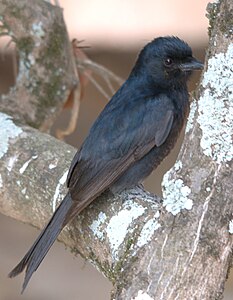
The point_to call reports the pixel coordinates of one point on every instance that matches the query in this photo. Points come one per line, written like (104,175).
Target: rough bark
(178,248)
(46,70)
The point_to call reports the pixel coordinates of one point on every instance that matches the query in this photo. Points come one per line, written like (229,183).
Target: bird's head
(167,61)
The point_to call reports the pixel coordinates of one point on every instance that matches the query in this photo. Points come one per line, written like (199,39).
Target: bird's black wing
(123,133)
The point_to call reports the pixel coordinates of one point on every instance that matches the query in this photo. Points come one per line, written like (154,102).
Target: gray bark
(175,248)
(47,73)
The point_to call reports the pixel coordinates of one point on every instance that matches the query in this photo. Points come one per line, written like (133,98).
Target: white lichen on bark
(8,130)
(11,162)
(142,296)
(58,195)
(26,164)
(1,183)
(96,225)
(231,227)
(148,231)
(175,192)
(193,108)
(215,107)
(119,225)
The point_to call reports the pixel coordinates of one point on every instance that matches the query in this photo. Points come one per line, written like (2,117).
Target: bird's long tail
(45,240)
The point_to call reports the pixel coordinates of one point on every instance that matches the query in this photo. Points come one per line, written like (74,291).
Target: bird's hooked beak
(191,65)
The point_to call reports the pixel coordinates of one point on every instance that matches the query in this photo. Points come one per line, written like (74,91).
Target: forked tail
(45,240)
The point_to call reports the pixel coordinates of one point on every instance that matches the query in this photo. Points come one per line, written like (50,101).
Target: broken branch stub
(46,71)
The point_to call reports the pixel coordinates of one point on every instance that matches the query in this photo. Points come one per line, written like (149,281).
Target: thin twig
(100,70)
(84,66)
(109,84)
(61,133)
(83,63)
(97,85)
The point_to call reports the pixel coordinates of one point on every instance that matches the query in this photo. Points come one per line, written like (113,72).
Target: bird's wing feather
(112,149)
(166,124)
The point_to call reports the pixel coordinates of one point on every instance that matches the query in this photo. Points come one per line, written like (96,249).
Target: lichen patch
(215,107)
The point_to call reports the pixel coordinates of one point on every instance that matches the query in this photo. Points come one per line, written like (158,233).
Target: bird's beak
(191,65)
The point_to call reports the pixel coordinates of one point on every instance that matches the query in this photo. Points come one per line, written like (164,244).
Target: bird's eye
(168,62)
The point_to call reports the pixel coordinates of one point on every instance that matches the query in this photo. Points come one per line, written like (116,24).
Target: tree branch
(33,168)
(47,72)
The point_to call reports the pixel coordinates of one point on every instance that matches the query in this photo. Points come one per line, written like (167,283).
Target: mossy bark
(46,71)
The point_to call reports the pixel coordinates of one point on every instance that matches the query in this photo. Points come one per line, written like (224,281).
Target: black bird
(132,135)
